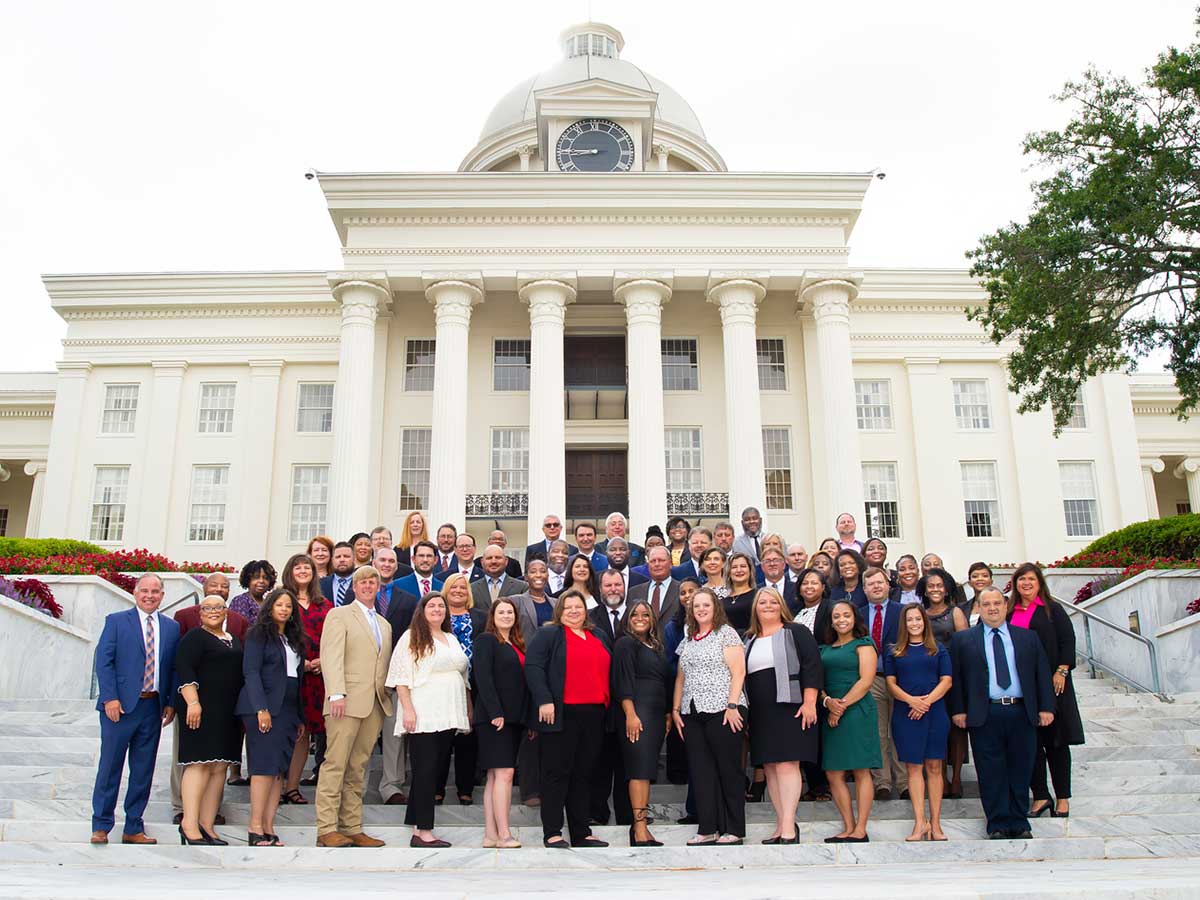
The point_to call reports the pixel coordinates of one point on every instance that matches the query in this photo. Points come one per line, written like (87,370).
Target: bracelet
(193,703)
(825,701)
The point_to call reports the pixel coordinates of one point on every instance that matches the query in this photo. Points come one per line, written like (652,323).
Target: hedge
(39,547)
(1176,537)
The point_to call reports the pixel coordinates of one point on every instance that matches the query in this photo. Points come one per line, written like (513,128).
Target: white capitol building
(592,313)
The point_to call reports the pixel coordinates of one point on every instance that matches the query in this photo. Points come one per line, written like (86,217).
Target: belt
(1009,701)
(145,694)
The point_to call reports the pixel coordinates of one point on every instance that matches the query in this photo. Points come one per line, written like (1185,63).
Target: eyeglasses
(552,525)
(212,609)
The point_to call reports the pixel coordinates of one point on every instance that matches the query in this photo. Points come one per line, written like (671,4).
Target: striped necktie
(148,673)
(343,588)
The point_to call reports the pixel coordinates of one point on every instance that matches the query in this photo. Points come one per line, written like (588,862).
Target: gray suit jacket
(668,605)
(483,598)
(743,543)
(527,614)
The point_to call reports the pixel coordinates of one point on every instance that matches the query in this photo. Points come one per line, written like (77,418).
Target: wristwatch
(731,706)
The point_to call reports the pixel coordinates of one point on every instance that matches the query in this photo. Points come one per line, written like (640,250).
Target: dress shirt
(624,574)
(555,584)
(619,610)
(779,585)
(791,576)
(424,582)
(447,560)
(495,584)
(995,692)
(873,610)
(152,618)
(338,581)
(292,659)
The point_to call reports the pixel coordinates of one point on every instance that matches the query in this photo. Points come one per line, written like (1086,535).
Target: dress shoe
(212,839)
(590,841)
(904,794)
(865,839)
(397,799)
(364,840)
(310,781)
(334,839)
(218,819)
(883,793)
(436,843)
(187,841)
(466,800)
(997,836)
(1041,811)
(140,838)
(1021,835)
(177,819)
(99,837)
(556,845)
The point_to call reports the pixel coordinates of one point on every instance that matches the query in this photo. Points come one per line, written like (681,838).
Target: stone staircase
(1136,782)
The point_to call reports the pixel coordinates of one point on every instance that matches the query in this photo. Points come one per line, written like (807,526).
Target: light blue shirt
(995,692)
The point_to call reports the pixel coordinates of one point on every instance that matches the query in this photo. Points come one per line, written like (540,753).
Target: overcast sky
(173,137)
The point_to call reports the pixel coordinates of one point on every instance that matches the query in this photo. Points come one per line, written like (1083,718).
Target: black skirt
(776,734)
(271,753)
(641,758)
(498,749)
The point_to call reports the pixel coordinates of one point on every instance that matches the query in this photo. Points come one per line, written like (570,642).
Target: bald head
(493,560)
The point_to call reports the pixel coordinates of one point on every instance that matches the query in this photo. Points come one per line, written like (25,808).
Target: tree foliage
(1105,270)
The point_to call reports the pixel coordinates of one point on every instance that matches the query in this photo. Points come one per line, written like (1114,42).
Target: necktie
(877,627)
(616,621)
(375,628)
(494,588)
(656,600)
(343,586)
(381,602)
(1003,676)
(757,552)
(424,586)
(148,673)
(446,561)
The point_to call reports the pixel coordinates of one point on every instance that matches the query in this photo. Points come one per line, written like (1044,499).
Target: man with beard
(618,555)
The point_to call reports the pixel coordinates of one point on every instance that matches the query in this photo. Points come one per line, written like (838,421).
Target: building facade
(591,314)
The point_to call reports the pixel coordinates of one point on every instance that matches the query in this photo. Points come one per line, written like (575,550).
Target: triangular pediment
(594,89)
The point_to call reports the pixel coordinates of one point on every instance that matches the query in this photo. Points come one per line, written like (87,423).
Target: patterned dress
(245,606)
(312,691)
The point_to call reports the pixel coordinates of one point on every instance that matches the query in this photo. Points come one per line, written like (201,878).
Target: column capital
(738,298)
(567,278)
(1189,466)
(169,367)
(547,299)
(453,300)
(829,293)
(362,295)
(35,467)
(1153,464)
(643,299)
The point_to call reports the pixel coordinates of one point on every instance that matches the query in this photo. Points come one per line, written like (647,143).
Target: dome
(593,51)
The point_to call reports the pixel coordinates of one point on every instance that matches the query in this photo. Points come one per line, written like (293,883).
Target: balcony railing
(596,401)
(698,504)
(497,506)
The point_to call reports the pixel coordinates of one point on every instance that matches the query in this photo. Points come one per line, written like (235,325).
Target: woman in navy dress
(918,676)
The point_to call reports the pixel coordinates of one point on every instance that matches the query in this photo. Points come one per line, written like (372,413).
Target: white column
(453,301)
(352,404)
(252,540)
(1189,469)
(1122,441)
(643,299)
(738,299)
(68,422)
(830,295)
(1150,466)
(547,298)
(35,468)
(157,480)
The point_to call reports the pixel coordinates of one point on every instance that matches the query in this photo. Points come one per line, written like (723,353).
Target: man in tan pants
(356,647)
(882,619)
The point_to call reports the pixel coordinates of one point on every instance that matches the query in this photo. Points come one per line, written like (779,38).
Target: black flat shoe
(794,839)
(310,781)
(590,841)
(836,840)
(865,839)
(213,839)
(465,800)
(773,840)
(436,843)
(556,845)
(1055,814)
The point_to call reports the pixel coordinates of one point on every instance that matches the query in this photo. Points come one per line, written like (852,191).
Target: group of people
(762,670)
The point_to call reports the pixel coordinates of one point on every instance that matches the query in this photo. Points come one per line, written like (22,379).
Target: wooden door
(597,360)
(597,483)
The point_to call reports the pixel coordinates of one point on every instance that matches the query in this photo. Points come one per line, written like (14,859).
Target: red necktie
(656,600)
(877,628)
(424,586)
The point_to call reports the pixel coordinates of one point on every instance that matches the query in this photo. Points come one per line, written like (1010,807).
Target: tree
(1105,270)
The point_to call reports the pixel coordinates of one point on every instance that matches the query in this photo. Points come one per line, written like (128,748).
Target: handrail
(194,596)
(1093,663)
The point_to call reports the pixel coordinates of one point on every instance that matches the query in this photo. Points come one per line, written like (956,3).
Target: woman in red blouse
(567,670)
(300,577)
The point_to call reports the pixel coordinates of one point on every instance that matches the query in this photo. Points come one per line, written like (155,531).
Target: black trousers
(1058,759)
(429,754)
(718,780)
(568,761)
(529,766)
(466,755)
(609,781)
(1004,747)
(677,766)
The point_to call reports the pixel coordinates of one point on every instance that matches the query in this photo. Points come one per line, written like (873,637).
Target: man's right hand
(113,710)
(337,708)
(960,720)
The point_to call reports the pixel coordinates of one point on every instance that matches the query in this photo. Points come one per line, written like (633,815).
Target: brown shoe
(364,840)
(397,799)
(99,837)
(139,838)
(334,839)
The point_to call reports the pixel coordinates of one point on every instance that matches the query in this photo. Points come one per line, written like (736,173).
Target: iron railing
(698,504)
(1089,656)
(497,506)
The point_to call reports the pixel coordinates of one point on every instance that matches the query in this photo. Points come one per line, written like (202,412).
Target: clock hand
(593,151)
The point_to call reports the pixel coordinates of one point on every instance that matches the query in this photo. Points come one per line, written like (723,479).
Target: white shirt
(555,583)
(619,610)
(760,656)
(777,585)
(293,659)
(152,618)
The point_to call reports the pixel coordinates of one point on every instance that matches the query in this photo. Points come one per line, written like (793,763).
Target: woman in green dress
(849,735)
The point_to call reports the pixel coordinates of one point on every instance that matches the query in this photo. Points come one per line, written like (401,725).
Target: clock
(594,145)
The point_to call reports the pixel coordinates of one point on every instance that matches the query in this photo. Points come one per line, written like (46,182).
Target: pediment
(595,97)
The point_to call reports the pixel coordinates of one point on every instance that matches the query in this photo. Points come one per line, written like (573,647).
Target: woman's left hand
(807,714)
(733,718)
(1060,683)
(498,723)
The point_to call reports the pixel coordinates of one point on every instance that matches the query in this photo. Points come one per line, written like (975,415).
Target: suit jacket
(483,598)
(1052,624)
(891,620)
(188,617)
(632,578)
(969,689)
(688,569)
(822,622)
(743,543)
(668,605)
(264,667)
(546,673)
(499,680)
(474,575)
(512,569)
(602,621)
(351,663)
(527,614)
(328,593)
(598,560)
(121,659)
(637,553)
(437,564)
(400,612)
(789,591)
(410,585)
(539,548)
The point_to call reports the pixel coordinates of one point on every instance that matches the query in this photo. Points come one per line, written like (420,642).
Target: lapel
(362,622)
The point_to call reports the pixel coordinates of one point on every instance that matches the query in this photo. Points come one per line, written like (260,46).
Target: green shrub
(1177,536)
(34,548)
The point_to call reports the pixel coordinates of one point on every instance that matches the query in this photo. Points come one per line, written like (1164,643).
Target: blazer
(512,569)
(351,663)
(602,621)
(121,659)
(969,689)
(264,667)
(410,585)
(189,617)
(1052,624)
(668,605)
(401,607)
(891,620)
(508,588)
(327,590)
(474,575)
(789,591)
(598,560)
(688,569)
(822,622)
(539,548)
(527,614)
(637,553)
(797,667)
(499,679)
(546,673)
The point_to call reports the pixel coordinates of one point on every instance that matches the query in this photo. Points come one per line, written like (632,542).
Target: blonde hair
(455,579)
(406,539)
(785,614)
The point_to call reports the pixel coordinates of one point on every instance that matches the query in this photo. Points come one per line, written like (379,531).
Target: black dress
(737,610)
(498,674)
(641,675)
(215,668)
(776,733)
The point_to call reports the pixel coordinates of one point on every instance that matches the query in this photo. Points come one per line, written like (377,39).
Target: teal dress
(854,744)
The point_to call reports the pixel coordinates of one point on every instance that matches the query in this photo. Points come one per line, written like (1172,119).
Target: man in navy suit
(462,560)
(699,539)
(421,580)
(618,556)
(135,669)
(552,531)
(774,575)
(335,587)
(585,536)
(1001,693)
(617,526)
(883,624)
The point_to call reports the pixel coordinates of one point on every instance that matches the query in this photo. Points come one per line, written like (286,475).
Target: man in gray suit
(661,590)
(495,582)
(747,541)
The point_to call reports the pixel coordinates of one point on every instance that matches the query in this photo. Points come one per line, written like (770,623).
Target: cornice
(937,336)
(200,312)
(217,340)
(569,218)
(25,412)
(1145,409)
(915,306)
(594,251)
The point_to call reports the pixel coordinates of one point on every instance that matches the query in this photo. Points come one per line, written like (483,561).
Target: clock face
(594,145)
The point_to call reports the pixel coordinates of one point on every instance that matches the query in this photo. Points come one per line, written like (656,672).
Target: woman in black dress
(269,706)
(208,665)
(782,683)
(498,670)
(641,679)
(739,582)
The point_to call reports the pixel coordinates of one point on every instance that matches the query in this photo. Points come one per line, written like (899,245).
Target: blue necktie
(1003,676)
(341,592)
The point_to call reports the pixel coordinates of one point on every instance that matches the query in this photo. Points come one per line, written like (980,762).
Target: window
(216,408)
(210,493)
(1080,508)
(414,467)
(1078,411)
(510,365)
(1183,508)
(883,500)
(310,503)
(120,408)
(510,460)
(418,365)
(777,467)
(685,472)
(873,405)
(681,371)
(981,499)
(971,407)
(108,503)
(3,521)
(772,372)
(314,408)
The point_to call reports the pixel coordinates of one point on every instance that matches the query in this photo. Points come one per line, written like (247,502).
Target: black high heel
(1038,813)
(1055,814)
(257,840)
(188,842)
(212,839)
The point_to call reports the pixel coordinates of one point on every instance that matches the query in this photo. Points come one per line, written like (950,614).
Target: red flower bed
(112,567)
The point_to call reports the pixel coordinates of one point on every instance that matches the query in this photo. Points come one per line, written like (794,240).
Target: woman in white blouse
(429,672)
